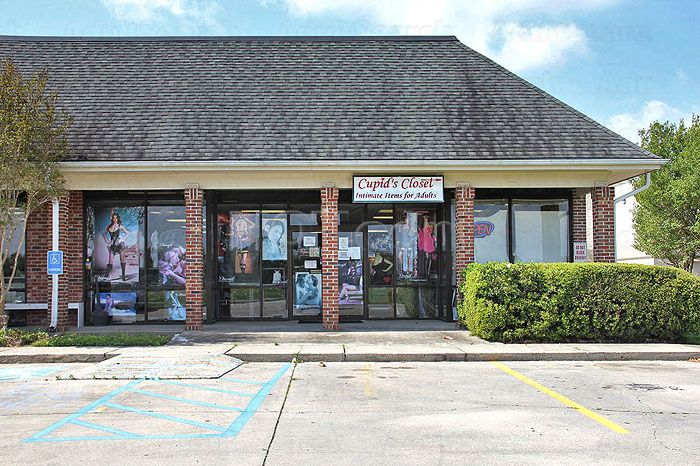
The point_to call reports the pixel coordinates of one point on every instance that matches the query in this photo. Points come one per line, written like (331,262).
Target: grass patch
(107,339)
(19,337)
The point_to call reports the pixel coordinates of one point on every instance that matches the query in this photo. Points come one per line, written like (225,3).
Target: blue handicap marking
(54,262)
(244,413)
(17,373)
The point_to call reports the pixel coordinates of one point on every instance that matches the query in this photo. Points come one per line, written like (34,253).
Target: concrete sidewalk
(444,344)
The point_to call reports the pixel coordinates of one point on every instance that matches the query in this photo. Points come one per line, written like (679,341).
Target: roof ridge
(392,38)
(561,103)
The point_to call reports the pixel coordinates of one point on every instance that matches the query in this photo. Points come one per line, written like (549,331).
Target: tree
(32,143)
(667,215)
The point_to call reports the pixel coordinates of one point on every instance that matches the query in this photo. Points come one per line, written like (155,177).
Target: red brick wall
(194,230)
(329,257)
(74,250)
(603,224)
(38,243)
(464,228)
(578,217)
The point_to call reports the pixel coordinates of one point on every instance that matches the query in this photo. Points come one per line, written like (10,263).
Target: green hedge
(564,302)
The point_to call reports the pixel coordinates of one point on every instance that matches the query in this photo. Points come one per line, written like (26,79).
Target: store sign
(580,251)
(397,189)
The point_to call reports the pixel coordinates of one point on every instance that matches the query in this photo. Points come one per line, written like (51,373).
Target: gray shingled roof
(282,98)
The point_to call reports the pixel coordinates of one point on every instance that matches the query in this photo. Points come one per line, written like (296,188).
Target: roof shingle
(281,98)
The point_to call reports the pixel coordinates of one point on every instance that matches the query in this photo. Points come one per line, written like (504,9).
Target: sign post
(54,262)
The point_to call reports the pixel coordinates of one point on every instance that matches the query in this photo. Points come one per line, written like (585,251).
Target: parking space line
(86,409)
(167,417)
(255,403)
(184,400)
(111,430)
(204,387)
(561,398)
(108,401)
(247,382)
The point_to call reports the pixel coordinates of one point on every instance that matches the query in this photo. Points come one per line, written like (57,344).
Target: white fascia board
(359,165)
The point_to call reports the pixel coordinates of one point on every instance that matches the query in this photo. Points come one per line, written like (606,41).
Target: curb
(48,358)
(468,357)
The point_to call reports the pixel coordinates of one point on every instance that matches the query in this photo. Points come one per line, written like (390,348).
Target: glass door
(350,274)
(306,274)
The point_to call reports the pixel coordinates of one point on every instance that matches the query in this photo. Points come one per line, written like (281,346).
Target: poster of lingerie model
(117,244)
(167,244)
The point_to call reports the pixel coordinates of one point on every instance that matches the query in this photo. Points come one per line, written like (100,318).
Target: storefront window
(540,230)
(307,285)
(244,303)
(135,258)
(491,231)
(17,292)
(416,245)
(380,302)
(166,246)
(116,244)
(380,245)
(239,246)
(122,306)
(275,302)
(167,305)
(350,273)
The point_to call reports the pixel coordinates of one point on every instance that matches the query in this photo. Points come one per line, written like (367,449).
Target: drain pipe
(626,196)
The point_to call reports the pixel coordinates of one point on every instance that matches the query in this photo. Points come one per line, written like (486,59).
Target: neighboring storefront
(310,179)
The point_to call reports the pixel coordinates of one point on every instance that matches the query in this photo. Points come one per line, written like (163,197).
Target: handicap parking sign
(54,262)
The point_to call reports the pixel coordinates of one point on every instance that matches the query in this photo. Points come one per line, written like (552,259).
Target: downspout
(624,198)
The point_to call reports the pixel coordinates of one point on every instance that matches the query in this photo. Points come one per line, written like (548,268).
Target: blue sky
(625,63)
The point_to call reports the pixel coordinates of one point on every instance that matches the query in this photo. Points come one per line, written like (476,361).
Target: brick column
(73,252)
(194,252)
(603,224)
(38,284)
(578,217)
(64,244)
(464,229)
(329,257)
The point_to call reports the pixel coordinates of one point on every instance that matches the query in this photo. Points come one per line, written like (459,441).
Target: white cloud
(151,10)
(495,28)
(629,124)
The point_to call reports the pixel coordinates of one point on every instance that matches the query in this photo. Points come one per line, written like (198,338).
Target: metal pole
(54,278)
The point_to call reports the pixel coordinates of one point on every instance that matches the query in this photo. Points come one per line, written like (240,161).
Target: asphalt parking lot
(358,413)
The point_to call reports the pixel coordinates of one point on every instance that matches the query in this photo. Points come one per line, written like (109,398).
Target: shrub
(565,302)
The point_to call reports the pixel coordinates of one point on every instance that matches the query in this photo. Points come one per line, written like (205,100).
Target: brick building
(323,179)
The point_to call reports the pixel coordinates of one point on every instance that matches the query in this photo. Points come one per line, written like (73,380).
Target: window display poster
(275,239)
(309,241)
(121,304)
(307,290)
(243,243)
(175,302)
(350,278)
(167,243)
(380,253)
(117,242)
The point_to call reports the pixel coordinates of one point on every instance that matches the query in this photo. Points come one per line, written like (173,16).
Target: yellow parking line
(561,398)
